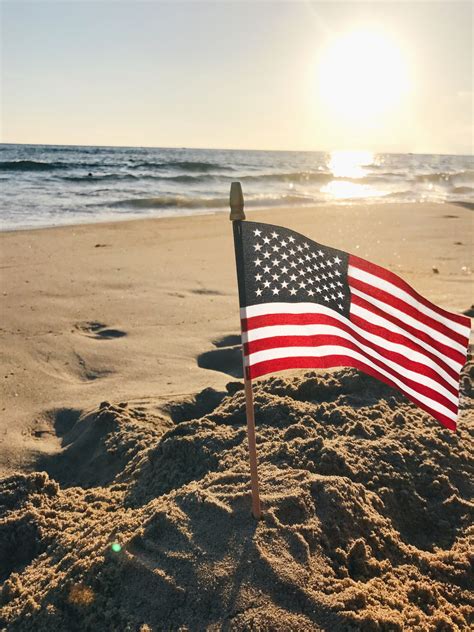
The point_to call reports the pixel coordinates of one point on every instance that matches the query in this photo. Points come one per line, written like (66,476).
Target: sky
(286,75)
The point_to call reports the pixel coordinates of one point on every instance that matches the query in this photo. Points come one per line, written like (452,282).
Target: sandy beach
(122,421)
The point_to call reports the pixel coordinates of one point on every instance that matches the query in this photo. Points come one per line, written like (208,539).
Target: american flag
(305,305)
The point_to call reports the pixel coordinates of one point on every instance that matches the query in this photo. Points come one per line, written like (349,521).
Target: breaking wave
(188,202)
(446,177)
(31,165)
(169,201)
(183,165)
(95,178)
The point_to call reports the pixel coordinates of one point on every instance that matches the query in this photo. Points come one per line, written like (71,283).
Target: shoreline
(263,209)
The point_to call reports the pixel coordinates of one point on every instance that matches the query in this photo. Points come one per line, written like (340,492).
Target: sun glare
(347,167)
(349,164)
(362,75)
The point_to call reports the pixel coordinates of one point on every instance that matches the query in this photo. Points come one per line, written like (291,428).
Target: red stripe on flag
(307,318)
(282,364)
(315,341)
(417,333)
(255,322)
(398,338)
(397,303)
(386,275)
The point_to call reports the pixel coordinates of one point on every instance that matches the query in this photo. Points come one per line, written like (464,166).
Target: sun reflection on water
(349,164)
(347,167)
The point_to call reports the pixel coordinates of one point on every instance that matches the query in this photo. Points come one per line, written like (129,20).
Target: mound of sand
(143,521)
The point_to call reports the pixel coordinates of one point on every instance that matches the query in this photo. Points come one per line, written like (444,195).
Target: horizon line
(308,151)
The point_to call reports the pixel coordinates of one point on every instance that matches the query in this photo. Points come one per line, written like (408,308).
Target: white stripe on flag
(288,308)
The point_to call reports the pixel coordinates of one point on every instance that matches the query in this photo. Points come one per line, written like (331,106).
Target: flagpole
(236,216)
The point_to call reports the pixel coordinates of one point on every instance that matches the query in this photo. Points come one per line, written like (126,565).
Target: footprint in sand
(99,331)
(207,292)
(227,357)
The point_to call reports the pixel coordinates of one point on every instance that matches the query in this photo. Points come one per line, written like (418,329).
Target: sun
(362,76)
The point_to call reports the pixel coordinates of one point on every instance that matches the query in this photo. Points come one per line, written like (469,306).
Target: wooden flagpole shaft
(256,509)
(237,215)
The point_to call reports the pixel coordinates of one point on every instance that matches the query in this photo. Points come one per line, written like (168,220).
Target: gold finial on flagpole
(236,202)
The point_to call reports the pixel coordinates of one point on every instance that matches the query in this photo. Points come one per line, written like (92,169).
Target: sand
(122,423)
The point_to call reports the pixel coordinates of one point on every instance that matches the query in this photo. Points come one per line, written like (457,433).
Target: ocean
(48,185)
